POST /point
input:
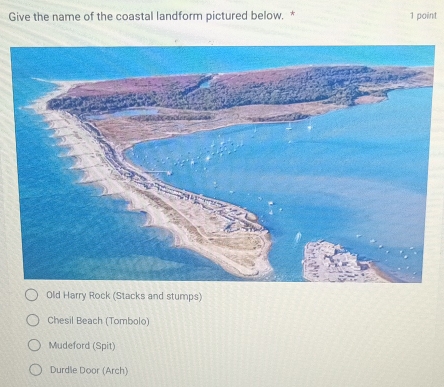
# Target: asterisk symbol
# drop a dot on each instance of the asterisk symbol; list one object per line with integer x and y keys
{"x": 292, "y": 13}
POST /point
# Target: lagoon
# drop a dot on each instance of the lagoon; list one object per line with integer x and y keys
{"x": 357, "y": 178}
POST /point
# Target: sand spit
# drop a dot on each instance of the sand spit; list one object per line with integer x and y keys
{"x": 327, "y": 262}
{"x": 224, "y": 233}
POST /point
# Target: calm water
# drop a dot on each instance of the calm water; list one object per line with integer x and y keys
{"x": 360, "y": 171}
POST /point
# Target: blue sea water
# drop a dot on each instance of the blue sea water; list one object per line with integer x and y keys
{"x": 359, "y": 171}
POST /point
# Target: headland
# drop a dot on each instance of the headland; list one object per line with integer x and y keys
{"x": 326, "y": 262}
{"x": 190, "y": 103}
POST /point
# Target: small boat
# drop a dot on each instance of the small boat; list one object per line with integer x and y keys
{"x": 310, "y": 125}
{"x": 298, "y": 237}
{"x": 289, "y": 126}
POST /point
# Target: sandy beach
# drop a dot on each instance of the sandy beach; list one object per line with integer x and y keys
{"x": 223, "y": 233}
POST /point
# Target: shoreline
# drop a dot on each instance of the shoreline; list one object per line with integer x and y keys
{"x": 96, "y": 170}
{"x": 139, "y": 132}
{"x": 384, "y": 275}
{"x": 219, "y": 231}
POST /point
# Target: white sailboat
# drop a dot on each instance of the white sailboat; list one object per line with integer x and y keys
{"x": 310, "y": 125}
{"x": 298, "y": 237}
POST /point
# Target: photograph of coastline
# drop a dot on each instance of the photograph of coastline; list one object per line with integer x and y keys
{"x": 285, "y": 164}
